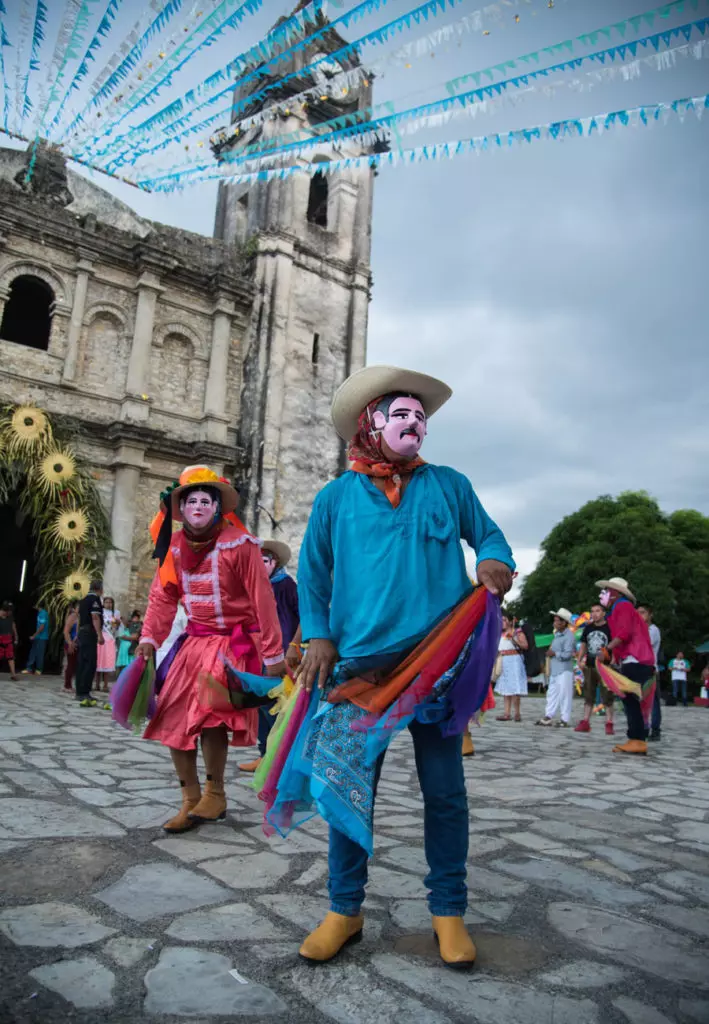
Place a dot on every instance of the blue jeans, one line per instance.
(675, 687)
(36, 658)
(265, 724)
(656, 720)
(445, 831)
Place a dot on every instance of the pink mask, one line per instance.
(605, 598)
(199, 510)
(405, 427)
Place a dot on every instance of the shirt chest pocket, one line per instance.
(438, 524)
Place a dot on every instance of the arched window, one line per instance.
(317, 200)
(27, 319)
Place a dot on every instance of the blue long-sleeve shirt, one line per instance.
(372, 577)
(563, 645)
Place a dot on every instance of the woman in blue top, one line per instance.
(381, 565)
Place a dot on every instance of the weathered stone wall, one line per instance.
(144, 351)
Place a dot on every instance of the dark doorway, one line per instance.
(17, 551)
(27, 319)
(317, 200)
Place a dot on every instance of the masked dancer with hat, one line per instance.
(276, 555)
(214, 567)
(633, 660)
(396, 636)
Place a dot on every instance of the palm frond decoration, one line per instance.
(28, 429)
(56, 469)
(69, 528)
(48, 482)
(76, 584)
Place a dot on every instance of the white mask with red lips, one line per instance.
(199, 510)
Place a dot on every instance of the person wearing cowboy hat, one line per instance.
(276, 555)
(213, 567)
(560, 694)
(381, 565)
(630, 650)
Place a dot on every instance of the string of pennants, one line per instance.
(84, 78)
(481, 100)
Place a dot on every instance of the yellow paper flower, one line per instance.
(70, 527)
(76, 585)
(56, 469)
(27, 426)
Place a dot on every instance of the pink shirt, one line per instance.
(230, 586)
(626, 622)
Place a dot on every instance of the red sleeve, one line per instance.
(621, 622)
(258, 586)
(162, 607)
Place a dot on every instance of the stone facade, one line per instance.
(170, 348)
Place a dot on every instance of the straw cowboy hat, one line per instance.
(617, 583)
(373, 381)
(279, 550)
(564, 614)
(192, 476)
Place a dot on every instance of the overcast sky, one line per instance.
(560, 288)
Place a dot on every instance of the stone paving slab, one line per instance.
(588, 876)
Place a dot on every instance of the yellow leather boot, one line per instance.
(212, 805)
(182, 821)
(456, 947)
(335, 932)
(631, 747)
(249, 766)
(468, 745)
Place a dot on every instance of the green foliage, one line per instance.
(665, 559)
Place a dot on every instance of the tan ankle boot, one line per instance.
(249, 766)
(631, 747)
(456, 947)
(212, 806)
(468, 745)
(182, 821)
(335, 932)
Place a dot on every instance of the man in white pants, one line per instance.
(561, 677)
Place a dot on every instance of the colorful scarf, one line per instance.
(326, 761)
(365, 453)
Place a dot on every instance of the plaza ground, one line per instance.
(588, 874)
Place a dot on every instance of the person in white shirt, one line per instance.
(679, 668)
(561, 682)
(656, 640)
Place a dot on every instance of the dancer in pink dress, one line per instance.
(214, 567)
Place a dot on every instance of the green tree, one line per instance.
(665, 559)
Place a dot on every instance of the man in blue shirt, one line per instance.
(381, 565)
(35, 662)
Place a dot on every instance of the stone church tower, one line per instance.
(166, 348)
(312, 241)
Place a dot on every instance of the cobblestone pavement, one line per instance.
(588, 875)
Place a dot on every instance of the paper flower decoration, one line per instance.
(27, 426)
(70, 527)
(76, 585)
(56, 469)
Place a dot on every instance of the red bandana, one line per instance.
(365, 453)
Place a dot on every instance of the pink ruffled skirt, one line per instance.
(180, 718)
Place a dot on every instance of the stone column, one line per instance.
(359, 315)
(84, 268)
(128, 465)
(139, 363)
(217, 379)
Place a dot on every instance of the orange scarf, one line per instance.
(390, 473)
